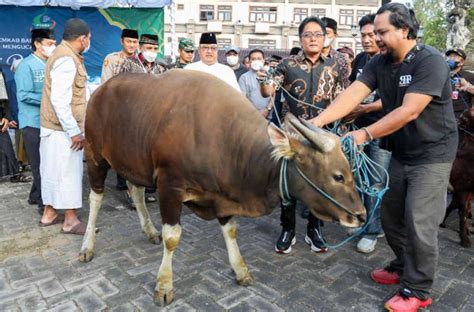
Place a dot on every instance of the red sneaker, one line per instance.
(385, 276)
(406, 304)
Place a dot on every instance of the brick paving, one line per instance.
(39, 267)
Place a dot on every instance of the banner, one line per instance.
(106, 27)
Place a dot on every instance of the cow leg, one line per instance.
(164, 292)
(170, 210)
(229, 230)
(97, 172)
(138, 197)
(463, 222)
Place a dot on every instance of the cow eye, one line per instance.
(339, 178)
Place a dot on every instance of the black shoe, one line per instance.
(315, 240)
(32, 201)
(149, 198)
(130, 201)
(305, 213)
(285, 241)
(40, 209)
(121, 187)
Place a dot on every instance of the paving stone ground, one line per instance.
(39, 267)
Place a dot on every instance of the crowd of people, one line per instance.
(401, 96)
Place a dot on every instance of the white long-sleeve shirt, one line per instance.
(62, 77)
(222, 72)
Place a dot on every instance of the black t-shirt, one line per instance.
(357, 69)
(464, 99)
(432, 137)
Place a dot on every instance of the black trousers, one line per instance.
(31, 136)
(288, 217)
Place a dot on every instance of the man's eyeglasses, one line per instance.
(210, 48)
(310, 34)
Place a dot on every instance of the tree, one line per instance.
(431, 14)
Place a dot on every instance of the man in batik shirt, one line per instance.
(309, 77)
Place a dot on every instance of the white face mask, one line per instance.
(232, 60)
(87, 48)
(256, 65)
(328, 41)
(48, 51)
(149, 56)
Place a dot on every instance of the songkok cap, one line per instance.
(275, 58)
(346, 50)
(75, 27)
(129, 33)
(330, 23)
(232, 48)
(186, 44)
(459, 52)
(149, 39)
(208, 38)
(42, 33)
(295, 50)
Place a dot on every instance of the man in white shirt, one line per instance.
(208, 53)
(63, 109)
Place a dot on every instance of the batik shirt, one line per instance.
(139, 65)
(317, 84)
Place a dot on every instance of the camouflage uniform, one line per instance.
(186, 45)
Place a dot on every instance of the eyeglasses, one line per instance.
(310, 34)
(210, 48)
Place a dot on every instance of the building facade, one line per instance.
(263, 24)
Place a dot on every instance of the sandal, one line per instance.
(78, 229)
(59, 219)
(19, 178)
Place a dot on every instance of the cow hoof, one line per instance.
(164, 297)
(86, 255)
(246, 281)
(155, 239)
(466, 243)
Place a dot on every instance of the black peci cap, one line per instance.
(129, 33)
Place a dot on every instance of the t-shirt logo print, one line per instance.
(405, 81)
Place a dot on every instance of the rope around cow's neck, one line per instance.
(364, 170)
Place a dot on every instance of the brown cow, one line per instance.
(204, 145)
(462, 177)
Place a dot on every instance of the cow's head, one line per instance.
(319, 155)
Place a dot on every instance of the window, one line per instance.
(263, 14)
(180, 6)
(224, 43)
(206, 13)
(296, 43)
(346, 17)
(318, 12)
(299, 14)
(362, 13)
(262, 44)
(224, 13)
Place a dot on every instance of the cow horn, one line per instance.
(317, 136)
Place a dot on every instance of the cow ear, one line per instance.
(280, 141)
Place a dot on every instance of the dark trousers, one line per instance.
(288, 217)
(31, 137)
(412, 210)
(122, 181)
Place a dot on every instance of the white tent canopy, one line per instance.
(76, 4)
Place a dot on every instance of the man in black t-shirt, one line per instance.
(368, 112)
(419, 127)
